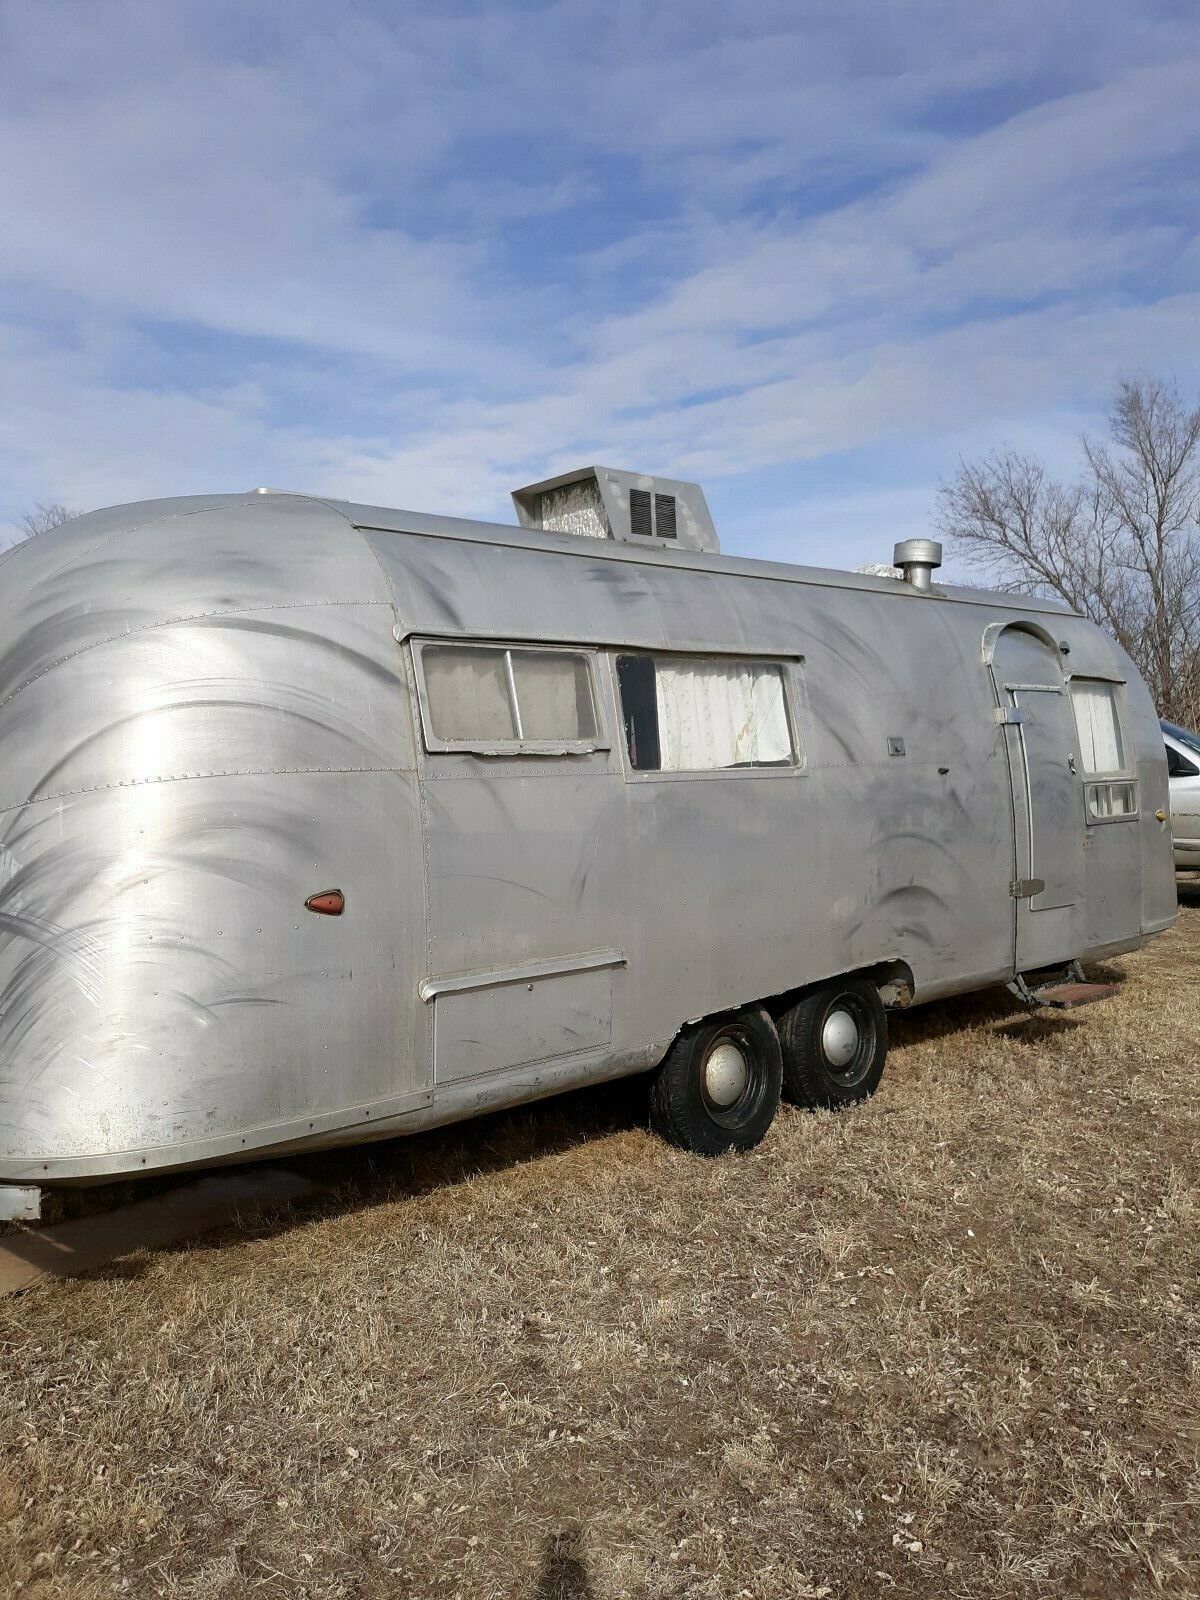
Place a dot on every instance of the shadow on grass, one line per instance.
(363, 1176)
(1036, 1026)
(997, 1008)
(564, 1571)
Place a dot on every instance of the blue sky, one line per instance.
(808, 253)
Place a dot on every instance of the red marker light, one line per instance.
(329, 903)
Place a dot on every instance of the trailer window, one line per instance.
(496, 698)
(1102, 749)
(1107, 800)
(685, 714)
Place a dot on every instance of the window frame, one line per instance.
(1182, 753)
(795, 704)
(1126, 776)
(519, 745)
(1108, 783)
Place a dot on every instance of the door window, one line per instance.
(1102, 752)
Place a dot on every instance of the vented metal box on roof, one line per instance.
(630, 507)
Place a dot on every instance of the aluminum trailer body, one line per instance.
(214, 709)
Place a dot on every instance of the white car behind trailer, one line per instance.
(1183, 771)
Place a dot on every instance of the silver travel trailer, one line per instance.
(323, 823)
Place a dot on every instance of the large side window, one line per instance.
(498, 699)
(1102, 752)
(692, 714)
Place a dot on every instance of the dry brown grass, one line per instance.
(948, 1345)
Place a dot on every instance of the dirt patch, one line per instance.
(948, 1344)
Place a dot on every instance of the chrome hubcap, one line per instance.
(726, 1074)
(839, 1038)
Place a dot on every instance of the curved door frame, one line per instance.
(1041, 747)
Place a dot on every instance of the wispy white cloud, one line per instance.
(421, 259)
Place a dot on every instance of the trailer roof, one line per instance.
(388, 520)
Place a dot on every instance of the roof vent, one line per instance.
(602, 503)
(918, 559)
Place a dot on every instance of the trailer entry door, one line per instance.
(1048, 824)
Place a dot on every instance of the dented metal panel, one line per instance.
(485, 1030)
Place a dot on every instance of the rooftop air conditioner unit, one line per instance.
(603, 503)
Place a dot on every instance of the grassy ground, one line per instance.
(946, 1345)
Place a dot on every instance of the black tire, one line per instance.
(810, 1076)
(687, 1104)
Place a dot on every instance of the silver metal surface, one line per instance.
(918, 559)
(725, 1074)
(493, 977)
(839, 1038)
(20, 1202)
(208, 713)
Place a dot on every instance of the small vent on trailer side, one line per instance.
(628, 507)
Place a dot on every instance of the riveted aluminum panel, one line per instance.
(507, 1025)
(258, 691)
(204, 720)
(385, 519)
(162, 983)
(58, 598)
(493, 591)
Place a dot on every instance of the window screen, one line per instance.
(484, 695)
(554, 695)
(467, 694)
(1101, 746)
(689, 715)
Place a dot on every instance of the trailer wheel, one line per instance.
(834, 1044)
(718, 1088)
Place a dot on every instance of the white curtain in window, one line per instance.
(1100, 745)
(714, 714)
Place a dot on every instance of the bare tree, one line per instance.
(42, 518)
(1122, 545)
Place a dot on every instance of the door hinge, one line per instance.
(1024, 888)
(1009, 716)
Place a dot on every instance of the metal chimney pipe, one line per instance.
(918, 559)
